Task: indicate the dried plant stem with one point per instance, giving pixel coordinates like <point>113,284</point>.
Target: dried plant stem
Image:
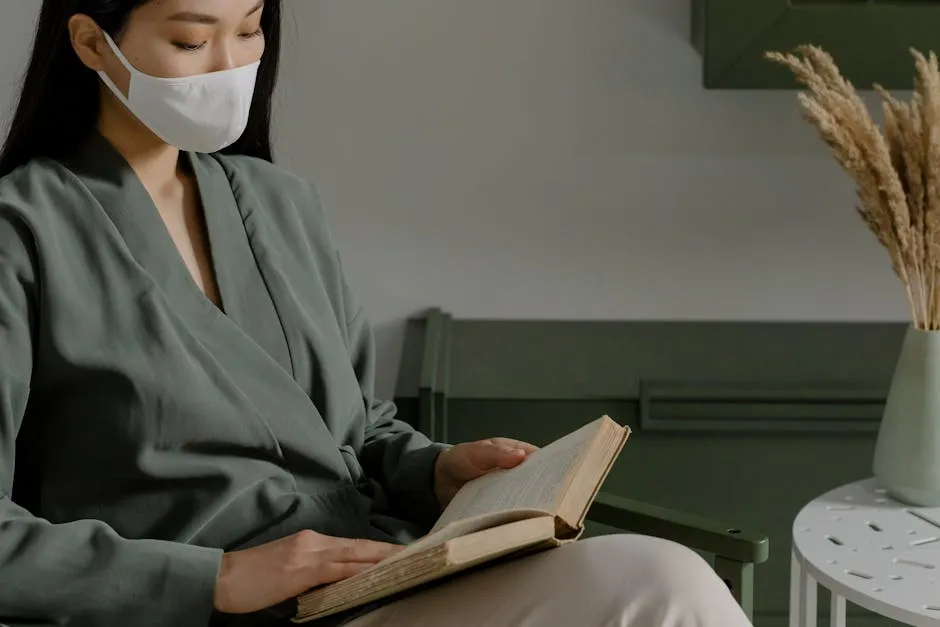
<point>895,169</point>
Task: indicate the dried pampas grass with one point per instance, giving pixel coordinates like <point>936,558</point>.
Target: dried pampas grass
<point>896,171</point>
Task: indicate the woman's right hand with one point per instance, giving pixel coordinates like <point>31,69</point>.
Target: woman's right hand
<point>263,576</point>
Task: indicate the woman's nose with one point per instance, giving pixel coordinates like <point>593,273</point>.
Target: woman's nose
<point>225,60</point>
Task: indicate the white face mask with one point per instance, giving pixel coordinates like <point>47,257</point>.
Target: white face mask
<point>202,113</point>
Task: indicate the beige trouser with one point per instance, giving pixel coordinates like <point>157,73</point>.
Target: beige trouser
<point>607,581</point>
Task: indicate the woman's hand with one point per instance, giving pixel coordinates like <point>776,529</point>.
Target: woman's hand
<point>464,462</point>
<point>261,577</point>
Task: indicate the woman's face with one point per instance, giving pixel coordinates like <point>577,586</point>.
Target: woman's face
<point>178,38</point>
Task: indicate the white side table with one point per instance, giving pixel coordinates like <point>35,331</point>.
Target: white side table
<point>868,549</point>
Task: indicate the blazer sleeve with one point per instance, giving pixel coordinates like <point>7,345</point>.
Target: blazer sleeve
<point>395,454</point>
<point>83,572</point>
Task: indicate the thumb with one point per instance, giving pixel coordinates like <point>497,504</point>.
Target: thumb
<point>489,455</point>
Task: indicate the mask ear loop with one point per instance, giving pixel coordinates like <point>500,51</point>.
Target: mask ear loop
<point>120,55</point>
<point>107,79</point>
<point>125,100</point>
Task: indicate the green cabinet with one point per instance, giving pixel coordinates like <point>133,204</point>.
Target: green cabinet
<point>869,39</point>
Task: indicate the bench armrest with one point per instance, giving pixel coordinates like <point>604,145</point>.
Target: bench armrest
<point>693,531</point>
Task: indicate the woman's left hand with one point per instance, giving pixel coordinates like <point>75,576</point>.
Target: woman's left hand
<point>464,462</point>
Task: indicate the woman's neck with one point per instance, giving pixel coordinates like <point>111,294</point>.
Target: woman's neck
<point>156,163</point>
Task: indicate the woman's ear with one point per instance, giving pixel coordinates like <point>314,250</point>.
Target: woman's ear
<point>87,41</point>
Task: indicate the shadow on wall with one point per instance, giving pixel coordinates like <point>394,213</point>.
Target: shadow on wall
<point>391,376</point>
<point>673,15</point>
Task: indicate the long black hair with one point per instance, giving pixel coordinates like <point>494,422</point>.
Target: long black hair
<point>60,97</point>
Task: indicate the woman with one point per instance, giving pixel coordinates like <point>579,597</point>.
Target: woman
<point>186,383</point>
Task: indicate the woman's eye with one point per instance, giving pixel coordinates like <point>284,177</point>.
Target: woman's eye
<point>251,35</point>
<point>188,47</point>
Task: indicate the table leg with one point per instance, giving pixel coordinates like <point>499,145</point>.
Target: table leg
<point>802,596</point>
<point>837,611</point>
<point>795,577</point>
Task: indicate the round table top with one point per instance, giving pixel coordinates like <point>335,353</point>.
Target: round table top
<point>874,551</point>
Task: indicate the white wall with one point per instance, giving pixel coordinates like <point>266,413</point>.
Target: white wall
<point>559,158</point>
<point>556,158</point>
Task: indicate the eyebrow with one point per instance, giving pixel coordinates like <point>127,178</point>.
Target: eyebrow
<point>203,18</point>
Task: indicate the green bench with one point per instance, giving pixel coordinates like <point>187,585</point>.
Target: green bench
<point>456,364</point>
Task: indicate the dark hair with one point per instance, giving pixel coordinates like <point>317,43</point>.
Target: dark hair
<point>60,96</point>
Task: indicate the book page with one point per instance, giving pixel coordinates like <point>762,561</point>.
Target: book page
<point>537,483</point>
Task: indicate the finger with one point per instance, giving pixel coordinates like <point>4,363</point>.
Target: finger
<point>340,541</point>
<point>490,454</point>
<point>359,551</point>
<point>516,444</point>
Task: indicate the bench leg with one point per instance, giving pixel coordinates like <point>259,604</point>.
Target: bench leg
<point>739,577</point>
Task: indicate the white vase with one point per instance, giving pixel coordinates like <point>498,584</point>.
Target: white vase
<point>907,450</point>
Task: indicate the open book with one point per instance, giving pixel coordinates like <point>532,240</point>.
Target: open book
<point>540,504</point>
